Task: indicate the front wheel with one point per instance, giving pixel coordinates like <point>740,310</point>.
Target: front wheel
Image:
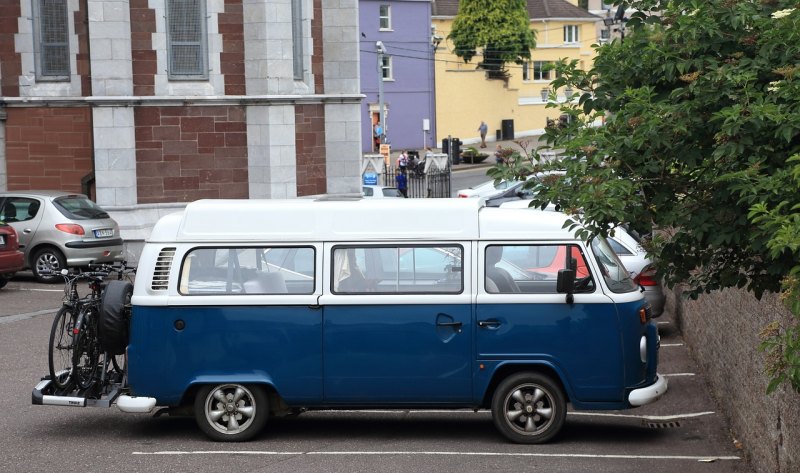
<point>231,412</point>
<point>529,408</point>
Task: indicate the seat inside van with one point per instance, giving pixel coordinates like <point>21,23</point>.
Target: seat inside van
<point>266,283</point>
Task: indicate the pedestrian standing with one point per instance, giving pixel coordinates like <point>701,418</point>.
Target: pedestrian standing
<point>498,155</point>
<point>377,135</point>
<point>402,162</point>
<point>483,129</point>
<point>402,183</point>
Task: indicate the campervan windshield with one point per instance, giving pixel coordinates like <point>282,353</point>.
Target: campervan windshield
<point>617,278</point>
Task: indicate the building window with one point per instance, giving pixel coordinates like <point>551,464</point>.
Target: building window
<point>52,38</point>
<point>571,34</point>
<point>526,74</point>
<point>385,16</point>
<point>297,38</point>
<point>605,35</point>
<point>187,39</point>
<point>386,68</point>
<point>541,71</point>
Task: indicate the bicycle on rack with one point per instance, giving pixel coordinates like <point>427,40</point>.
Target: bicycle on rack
<point>89,333</point>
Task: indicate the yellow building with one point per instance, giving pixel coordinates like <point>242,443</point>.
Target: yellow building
<point>465,96</point>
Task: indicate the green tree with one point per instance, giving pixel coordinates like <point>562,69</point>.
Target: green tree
<point>500,28</point>
<point>692,126</point>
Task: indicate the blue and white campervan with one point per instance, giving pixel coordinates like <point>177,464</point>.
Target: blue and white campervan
<point>248,309</point>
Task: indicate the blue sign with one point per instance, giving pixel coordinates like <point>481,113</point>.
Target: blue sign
<point>370,179</point>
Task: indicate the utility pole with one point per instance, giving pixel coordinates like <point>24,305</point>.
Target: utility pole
<point>381,49</point>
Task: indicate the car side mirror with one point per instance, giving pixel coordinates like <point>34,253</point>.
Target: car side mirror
<point>565,284</point>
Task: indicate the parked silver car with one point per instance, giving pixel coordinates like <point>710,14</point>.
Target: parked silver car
<point>60,230</point>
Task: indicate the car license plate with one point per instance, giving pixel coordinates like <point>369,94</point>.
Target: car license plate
<point>103,233</point>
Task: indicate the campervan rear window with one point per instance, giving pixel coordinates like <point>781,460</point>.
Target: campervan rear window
<point>262,270</point>
<point>401,269</point>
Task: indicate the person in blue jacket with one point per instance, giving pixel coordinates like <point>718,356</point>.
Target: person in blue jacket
<point>402,183</point>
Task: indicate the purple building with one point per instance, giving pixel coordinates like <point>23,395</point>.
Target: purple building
<point>404,29</point>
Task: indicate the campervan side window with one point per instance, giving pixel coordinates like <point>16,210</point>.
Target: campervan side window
<point>401,269</point>
<point>533,269</point>
<point>262,270</point>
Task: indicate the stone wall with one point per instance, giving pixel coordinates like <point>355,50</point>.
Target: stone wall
<point>722,330</point>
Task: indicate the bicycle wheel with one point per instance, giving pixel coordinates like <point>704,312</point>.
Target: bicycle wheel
<point>86,355</point>
<point>61,348</point>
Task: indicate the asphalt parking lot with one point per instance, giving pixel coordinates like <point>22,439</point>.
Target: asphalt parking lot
<point>684,431</point>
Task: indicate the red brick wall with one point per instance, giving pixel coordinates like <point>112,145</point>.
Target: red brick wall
<point>10,62</point>
<point>82,58</point>
<point>48,148</point>
<point>317,54</point>
<point>143,25</point>
<point>231,26</point>
<point>189,153</point>
<point>310,144</point>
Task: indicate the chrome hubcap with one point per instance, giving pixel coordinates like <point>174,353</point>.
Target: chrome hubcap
<point>230,408</point>
<point>529,409</point>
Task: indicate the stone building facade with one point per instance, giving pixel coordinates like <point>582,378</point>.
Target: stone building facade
<point>148,104</point>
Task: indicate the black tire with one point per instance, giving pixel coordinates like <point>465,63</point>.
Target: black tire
<point>86,355</point>
<point>529,408</point>
<point>114,321</point>
<point>61,348</point>
<point>51,260</point>
<point>4,278</point>
<point>214,405</point>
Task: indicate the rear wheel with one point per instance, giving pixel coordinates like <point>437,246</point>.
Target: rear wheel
<point>86,355</point>
<point>529,408</point>
<point>48,260</point>
<point>231,412</point>
<point>4,278</point>
<point>61,348</point>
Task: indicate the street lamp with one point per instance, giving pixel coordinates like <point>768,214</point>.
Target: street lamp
<point>381,49</point>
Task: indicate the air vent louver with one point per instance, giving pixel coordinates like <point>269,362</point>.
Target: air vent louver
<point>161,271</point>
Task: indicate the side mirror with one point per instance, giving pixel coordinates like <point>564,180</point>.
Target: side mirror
<point>566,283</point>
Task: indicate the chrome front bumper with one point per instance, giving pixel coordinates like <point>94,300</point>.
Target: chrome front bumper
<point>648,394</point>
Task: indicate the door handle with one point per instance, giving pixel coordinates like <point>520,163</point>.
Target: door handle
<point>489,323</point>
<point>26,230</point>
<point>450,324</point>
<point>453,325</point>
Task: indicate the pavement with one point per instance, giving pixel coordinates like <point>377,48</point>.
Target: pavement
<point>529,142</point>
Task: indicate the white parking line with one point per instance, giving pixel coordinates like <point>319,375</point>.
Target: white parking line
<point>487,412</point>
<point>4,319</point>
<point>644,417</point>
<point>671,345</point>
<point>43,290</point>
<point>672,375</point>
<point>705,458</point>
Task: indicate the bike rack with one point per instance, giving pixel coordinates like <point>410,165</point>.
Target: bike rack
<point>45,394</point>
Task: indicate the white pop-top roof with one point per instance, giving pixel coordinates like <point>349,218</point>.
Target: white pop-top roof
<point>296,220</point>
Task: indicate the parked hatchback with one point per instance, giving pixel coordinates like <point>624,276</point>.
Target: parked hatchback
<point>59,230</point>
<point>11,259</point>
